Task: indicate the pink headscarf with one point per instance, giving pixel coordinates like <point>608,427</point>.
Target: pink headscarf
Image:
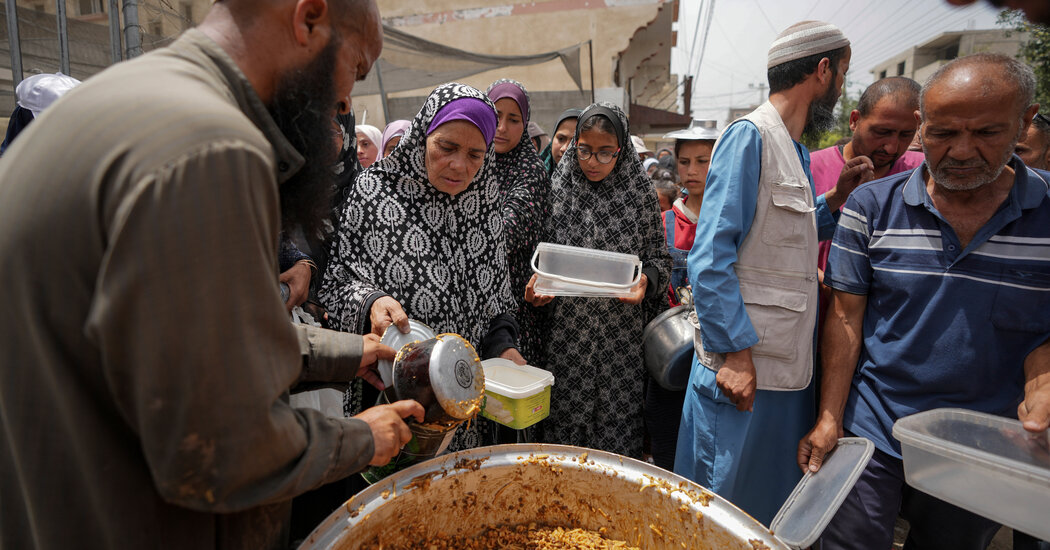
<point>392,130</point>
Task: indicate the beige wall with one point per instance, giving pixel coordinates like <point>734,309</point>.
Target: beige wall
<point>610,28</point>
<point>503,27</point>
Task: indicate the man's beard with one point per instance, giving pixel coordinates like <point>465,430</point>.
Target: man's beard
<point>821,116</point>
<point>302,106</point>
<point>989,173</point>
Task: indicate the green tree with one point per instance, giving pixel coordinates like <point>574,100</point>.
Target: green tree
<point>1035,51</point>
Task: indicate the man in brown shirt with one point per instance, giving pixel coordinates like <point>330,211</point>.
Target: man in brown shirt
<point>146,355</point>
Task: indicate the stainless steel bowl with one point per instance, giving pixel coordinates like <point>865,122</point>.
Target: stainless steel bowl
<point>667,344</point>
<point>465,493</point>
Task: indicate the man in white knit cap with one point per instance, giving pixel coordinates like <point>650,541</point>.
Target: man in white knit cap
<point>750,396</point>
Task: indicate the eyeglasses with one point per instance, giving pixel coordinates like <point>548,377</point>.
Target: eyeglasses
<point>604,157</point>
<point>1043,118</point>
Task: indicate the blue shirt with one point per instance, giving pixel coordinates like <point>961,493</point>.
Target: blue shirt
<point>730,202</point>
<point>945,326</point>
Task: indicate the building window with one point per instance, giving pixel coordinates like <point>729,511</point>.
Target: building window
<point>88,7</point>
<point>156,27</point>
<point>900,69</point>
<point>882,74</point>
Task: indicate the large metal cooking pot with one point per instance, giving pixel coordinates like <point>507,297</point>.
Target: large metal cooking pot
<point>667,344</point>
<point>463,494</point>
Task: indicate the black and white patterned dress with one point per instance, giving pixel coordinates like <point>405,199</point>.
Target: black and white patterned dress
<point>524,186</point>
<point>595,344</point>
<point>442,257</point>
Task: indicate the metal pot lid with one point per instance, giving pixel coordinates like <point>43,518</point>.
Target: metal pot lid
<point>697,130</point>
<point>396,339</point>
<point>816,498</point>
<point>457,376</point>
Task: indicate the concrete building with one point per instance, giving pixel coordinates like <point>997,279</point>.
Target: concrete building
<point>631,54</point>
<point>157,17</point>
<point>737,112</point>
<point>625,54</point>
<point>89,37</point>
<point>922,60</point>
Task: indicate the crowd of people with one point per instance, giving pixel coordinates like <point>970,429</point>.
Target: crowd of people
<point>154,268</point>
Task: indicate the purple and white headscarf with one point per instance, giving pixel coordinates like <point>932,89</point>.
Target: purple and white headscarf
<point>394,129</point>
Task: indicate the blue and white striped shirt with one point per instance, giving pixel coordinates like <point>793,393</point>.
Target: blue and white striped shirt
<point>945,326</point>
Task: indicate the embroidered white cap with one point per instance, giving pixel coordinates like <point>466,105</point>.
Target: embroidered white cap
<point>803,40</point>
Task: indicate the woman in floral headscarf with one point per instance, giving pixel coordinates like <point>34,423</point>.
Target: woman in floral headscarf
<point>524,185</point>
<point>601,198</point>
<point>421,237</point>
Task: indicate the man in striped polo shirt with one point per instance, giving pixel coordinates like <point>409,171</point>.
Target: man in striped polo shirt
<point>941,280</point>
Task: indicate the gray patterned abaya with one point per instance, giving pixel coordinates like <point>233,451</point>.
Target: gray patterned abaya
<point>595,344</point>
<point>524,185</point>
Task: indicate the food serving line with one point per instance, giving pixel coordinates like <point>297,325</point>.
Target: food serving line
<point>986,464</point>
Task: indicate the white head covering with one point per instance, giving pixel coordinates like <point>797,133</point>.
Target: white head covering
<point>698,130</point>
<point>38,92</point>
<point>639,145</point>
<point>373,134</point>
<point>803,40</point>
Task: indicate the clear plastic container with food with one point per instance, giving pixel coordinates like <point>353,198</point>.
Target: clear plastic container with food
<point>983,463</point>
<point>516,396</point>
<point>573,271</point>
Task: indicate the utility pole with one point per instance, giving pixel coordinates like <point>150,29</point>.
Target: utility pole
<point>114,31</point>
<point>15,44</point>
<point>761,87</point>
<point>132,30</point>
<point>63,37</point>
<point>687,97</point>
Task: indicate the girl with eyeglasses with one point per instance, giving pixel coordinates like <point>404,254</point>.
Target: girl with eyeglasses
<point>601,198</point>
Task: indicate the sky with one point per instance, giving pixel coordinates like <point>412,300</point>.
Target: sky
<point>739,32</point>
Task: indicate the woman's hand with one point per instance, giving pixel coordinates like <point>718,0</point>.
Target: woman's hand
<point>387,311</point>
<point>638,292</point>
<point>538,300</point>
<point>372,351</point>
<point>298,280</point>
<point>513,354</point>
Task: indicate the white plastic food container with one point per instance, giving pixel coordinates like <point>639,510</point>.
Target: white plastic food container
<point>983,463</point>
<point>573,271</point>
<point>516,396</point>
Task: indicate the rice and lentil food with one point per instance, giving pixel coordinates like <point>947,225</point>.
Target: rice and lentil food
<point>531,537</point>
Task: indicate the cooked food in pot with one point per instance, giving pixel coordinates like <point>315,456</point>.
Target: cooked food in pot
<point>521,537</point>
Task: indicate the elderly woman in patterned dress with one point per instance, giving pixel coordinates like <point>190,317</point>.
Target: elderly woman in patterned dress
<point>421,237</point>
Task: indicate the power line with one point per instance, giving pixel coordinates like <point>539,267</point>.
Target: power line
<point>892,41</point>
<point>811,8</point>
<point>841,6</point>
<point>762,10</point>
<point>738,92</point>
<point>707,32</point>
<point>696,34</point>
<point>881,54</point>
<point>901,15</point>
